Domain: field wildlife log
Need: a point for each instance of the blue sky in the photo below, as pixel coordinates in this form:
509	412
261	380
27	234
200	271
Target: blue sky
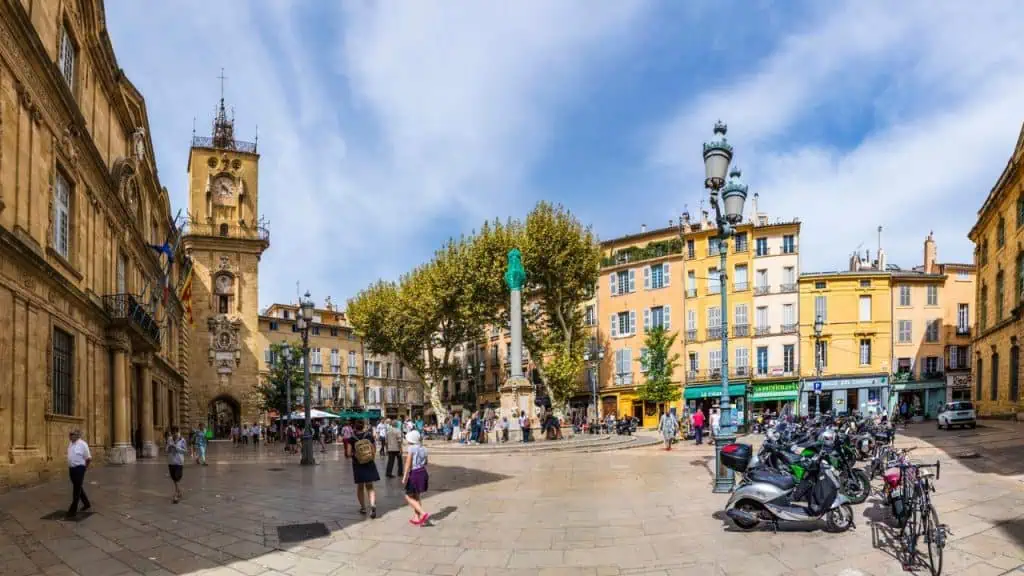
386	127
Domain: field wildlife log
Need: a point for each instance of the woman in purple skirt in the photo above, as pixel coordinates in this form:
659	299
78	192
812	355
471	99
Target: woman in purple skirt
415	477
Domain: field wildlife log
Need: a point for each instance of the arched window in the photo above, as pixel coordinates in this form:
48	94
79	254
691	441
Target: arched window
994	376
1014	372
1001	233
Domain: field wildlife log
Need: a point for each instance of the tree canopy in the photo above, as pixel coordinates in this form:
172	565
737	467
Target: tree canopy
271	392
659	364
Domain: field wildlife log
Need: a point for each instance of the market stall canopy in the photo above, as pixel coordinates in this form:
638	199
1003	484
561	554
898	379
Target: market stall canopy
313	413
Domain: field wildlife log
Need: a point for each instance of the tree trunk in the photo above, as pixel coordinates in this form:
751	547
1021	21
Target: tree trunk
435	402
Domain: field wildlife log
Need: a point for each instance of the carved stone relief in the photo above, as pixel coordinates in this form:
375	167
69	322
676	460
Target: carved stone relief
225	344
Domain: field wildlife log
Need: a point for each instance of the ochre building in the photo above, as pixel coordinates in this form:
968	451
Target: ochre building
88	340
998	238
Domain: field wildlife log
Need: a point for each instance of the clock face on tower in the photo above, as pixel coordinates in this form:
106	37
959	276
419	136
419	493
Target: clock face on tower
223	187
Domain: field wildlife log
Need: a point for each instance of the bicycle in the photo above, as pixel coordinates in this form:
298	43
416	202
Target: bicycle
922	518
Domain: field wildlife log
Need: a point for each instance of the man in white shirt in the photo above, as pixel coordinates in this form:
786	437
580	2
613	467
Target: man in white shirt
79	458
382	429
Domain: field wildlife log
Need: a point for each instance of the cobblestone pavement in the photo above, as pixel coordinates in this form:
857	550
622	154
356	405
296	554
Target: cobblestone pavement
640	511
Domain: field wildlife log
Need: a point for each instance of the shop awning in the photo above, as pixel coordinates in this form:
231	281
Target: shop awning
910	386
358	414
775	391
714	391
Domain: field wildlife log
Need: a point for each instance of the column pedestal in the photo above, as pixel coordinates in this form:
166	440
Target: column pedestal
517	396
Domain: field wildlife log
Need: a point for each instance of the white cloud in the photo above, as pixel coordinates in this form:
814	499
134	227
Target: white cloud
454	101
946	80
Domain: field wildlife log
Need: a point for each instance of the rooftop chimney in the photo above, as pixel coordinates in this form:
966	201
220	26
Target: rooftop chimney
643	228
753	210
930	254
704	223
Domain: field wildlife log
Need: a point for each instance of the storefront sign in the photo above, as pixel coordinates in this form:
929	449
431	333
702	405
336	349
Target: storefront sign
854	383
694	392
775	391
959	381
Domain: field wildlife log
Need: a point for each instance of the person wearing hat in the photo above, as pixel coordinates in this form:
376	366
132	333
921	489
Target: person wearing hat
415	477
79	458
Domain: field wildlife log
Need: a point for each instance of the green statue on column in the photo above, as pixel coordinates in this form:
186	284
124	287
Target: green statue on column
515	275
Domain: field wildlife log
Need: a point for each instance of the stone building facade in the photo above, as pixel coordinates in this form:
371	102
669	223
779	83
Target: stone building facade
225	238
88	341
998	238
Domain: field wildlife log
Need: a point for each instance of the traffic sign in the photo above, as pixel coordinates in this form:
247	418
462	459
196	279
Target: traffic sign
817	386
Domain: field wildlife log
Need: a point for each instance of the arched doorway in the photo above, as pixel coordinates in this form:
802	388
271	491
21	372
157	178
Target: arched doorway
224	413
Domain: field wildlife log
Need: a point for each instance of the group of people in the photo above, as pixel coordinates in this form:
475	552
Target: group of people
361	447
242	435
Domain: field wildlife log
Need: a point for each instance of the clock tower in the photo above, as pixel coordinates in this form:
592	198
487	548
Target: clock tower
225	238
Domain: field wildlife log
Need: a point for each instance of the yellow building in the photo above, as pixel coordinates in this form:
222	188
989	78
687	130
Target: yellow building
87	341
998	236
344	376
855	346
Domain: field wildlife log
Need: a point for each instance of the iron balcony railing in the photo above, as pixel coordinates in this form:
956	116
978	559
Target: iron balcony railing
789	328
125	308
963	330
257	232
691	335
692	375
742	247
787	288
741	329
218	143
691	292
764	371
715	288
741	286
790	249
762	290
714	333
690	255
741	371
764	251
762	330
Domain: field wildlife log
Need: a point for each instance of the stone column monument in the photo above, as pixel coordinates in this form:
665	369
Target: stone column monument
517	393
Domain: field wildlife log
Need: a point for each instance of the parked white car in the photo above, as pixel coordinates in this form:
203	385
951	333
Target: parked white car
959	413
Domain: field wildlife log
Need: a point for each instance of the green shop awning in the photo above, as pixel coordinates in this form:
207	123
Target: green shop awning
918	385
358	415
714	391
775	391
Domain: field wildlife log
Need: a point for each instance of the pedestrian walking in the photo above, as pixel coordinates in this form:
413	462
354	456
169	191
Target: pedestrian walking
79	459
381	431
201	446
176	460
716	418
698	425
415	478
364	470
346	437
668	428
256	431
393	441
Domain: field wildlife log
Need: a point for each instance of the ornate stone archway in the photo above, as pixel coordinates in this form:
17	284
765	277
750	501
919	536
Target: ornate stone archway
223	413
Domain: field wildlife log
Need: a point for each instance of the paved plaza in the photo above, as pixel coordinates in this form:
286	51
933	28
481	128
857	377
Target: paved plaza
637	511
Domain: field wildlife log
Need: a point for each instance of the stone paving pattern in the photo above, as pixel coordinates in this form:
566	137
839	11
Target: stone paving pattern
639	511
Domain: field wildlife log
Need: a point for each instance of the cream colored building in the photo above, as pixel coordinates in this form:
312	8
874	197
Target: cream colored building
343	374
87	342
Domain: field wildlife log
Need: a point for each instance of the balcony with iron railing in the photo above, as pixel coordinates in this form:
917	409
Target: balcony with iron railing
258	231
741	286
714	333
762	330
783	371
787	288
715	288
690	255
126	312
762	290
790	328
789	248
742	247
691	292
741	330
763	251
741	371
691	335
223	144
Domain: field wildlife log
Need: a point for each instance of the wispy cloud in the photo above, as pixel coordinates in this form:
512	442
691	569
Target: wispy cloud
934	96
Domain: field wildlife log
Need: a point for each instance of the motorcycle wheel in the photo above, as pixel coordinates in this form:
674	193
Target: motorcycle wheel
857	486
750	508
839	519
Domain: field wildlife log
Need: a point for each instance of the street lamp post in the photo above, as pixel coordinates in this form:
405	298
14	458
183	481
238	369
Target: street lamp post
595	358
286	355
818	325
728	213
305	322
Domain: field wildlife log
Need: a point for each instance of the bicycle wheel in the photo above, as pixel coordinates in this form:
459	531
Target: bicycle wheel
911	531
935	538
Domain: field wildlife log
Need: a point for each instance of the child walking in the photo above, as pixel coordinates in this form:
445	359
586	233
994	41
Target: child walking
176	450
415	478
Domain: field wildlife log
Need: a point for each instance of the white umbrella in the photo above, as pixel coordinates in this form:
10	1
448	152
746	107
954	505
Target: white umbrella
313	413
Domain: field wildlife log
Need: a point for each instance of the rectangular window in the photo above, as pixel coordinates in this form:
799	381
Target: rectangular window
761	318
963	276
865	283
273	326
624	366
494	353
904	295
694	362
691	281
657	276
761	279
590	318
865	352
865	309
222	304
933	295
789	315
789	275
819	285
66	58
623	323
742	360
1000	297
740	277
715	361
334	332
822	353
963	318
714	281
1014	373
994	376
316	330
63	368
714	246
821	308
61	215
691	319
657	317
904	365
714	317
761	247
762	360
931	334
401	371
691	251
931	365
352	366
741	315
789	358
983	308
788	244
741	242
978	381
905	332
335	358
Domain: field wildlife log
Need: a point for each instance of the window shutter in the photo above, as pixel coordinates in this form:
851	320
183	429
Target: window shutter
643	360
612	279
668	317
615	325
666	273
266	355
647	319
939	365
632	321
632	281
647	277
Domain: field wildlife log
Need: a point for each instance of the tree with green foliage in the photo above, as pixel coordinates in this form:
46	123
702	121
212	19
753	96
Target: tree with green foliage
424	316
659	364
272	392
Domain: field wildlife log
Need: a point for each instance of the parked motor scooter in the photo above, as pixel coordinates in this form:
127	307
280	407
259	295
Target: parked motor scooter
767	495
